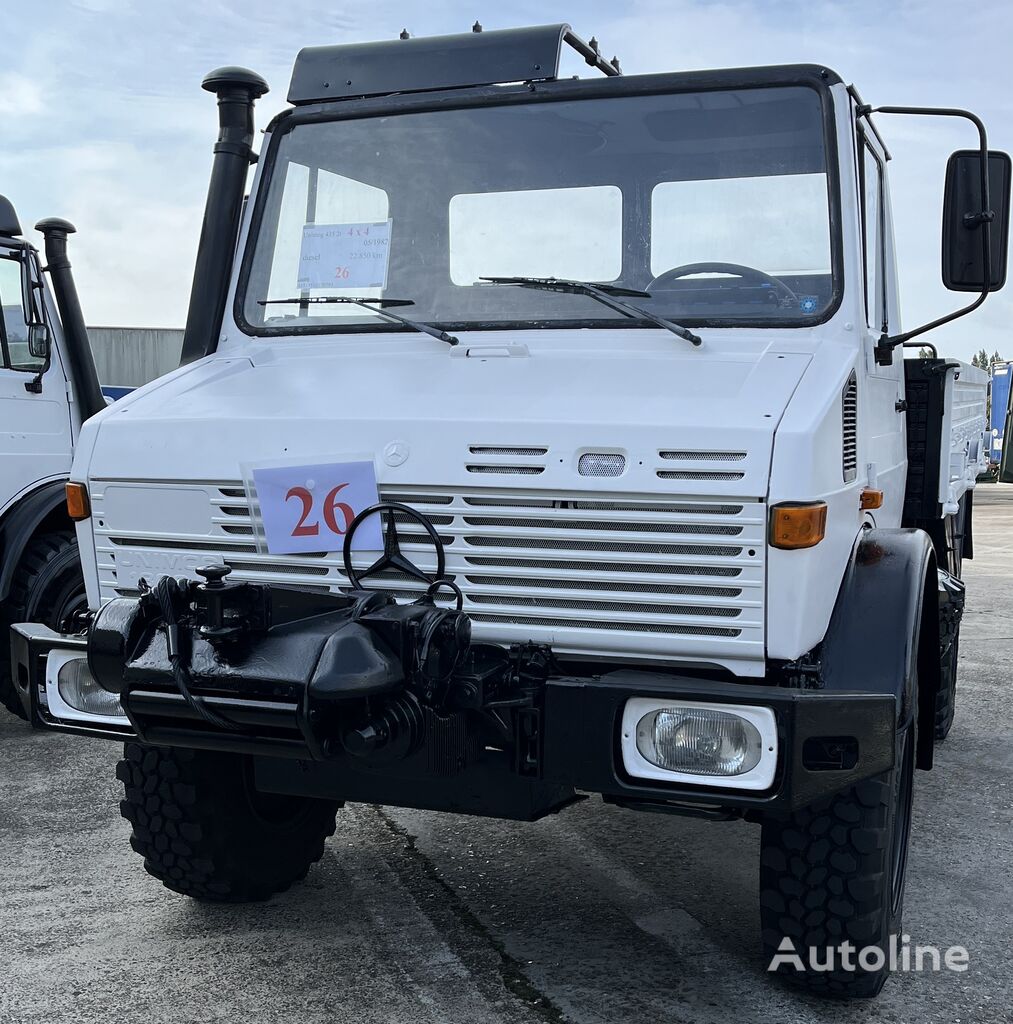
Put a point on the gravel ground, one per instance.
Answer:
(594, 915)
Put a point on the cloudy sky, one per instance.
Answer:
(104, 121)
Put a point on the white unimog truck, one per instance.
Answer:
(48, 387)
(538, 437)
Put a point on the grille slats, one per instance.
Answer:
(601, 574)
(677, 629)
(698, 474)
(612, 586)
(611, 526)
(607, 566)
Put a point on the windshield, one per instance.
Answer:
(717, 203)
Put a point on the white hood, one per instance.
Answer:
(712, 410)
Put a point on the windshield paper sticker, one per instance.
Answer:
(808, 304)
(344, 255)
(308, 509)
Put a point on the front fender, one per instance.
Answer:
(20, 523)
(885, 624)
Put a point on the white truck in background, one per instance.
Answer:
(442, 455)
(48, 387)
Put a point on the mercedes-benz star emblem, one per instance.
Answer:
(392, 558)
(395, 453)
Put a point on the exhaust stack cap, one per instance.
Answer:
(55, 226)
(235, 78)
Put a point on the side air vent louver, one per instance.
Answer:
(515, 470)
(484, 449)
(601, 464)
(698, 456)
(496, 453)
(849, 425)
(699, 464)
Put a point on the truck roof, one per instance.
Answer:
(432, 63)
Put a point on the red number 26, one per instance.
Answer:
(331, 508)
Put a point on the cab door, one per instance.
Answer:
(35, 422)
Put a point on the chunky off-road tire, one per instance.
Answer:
(205, 832)
(47, 587)
(834, 872)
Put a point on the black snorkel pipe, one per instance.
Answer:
(80, 362)
(237, 90)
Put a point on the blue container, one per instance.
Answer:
(1001, 375)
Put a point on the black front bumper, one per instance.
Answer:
(827, 741)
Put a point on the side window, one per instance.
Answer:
(872, 229)
(14, 354)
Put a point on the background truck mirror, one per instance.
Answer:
(38, 341)
(964, 217)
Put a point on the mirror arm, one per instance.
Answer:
(982, 218)
(886, 345)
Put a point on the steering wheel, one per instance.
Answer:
(786, 297)
(392, 557)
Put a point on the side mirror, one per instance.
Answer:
(964, 219)
(38, 341)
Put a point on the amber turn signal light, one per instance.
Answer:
(78, 505)
(797, 524)
(871, 498)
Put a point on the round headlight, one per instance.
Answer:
(699, 742)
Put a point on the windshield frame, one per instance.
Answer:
(815, 77)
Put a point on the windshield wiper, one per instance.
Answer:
(376, 306)
(606, 294)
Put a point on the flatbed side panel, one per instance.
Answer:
(946, 406)
(965, 408)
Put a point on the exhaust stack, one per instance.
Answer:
(237, 90)
(81, 368)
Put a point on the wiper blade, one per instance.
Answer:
(606, 294)
(377, 306)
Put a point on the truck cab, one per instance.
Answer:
(48, 388)
(538, 437)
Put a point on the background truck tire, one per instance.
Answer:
(47, 587)
(834, 872)
(205, 832)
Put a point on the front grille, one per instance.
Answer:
(634, 576)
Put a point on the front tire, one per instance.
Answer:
(834, 872)
(205, 831)
(48, 587)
